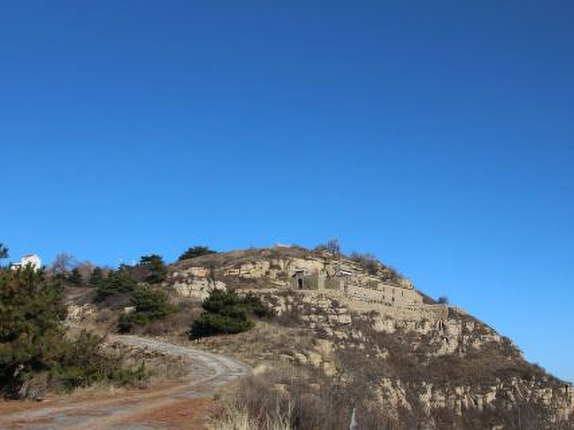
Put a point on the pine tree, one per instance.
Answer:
(150, 305)
(96, 278)
(34, 345)
(75, 277)
(156, 267)
(31, 330)
(196, 251)
(117, 281)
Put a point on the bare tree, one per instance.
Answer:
(62, 264)
(85, 268)
(333, 246)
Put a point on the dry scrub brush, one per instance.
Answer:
(289, 398)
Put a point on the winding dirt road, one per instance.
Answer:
(176, 407)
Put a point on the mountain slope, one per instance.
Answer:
(358, 325)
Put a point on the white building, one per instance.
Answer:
(31, 259)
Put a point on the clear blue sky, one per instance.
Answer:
(437, 135)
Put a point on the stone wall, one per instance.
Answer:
(406, 312)
(337, 283)
(385, 294)
(386, 311)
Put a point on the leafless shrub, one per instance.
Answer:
(333, 246)
(390, 274)
(108, 318)
(368, 261)
(231, 417)
(443, 300)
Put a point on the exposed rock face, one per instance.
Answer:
(197, 288)
(194, 283)
(79, 313)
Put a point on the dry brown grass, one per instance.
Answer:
(233, 416)
(299, 398)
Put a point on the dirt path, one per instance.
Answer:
(176, 407)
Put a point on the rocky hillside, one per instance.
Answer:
(356, 321)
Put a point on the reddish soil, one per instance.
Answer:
(184, 414)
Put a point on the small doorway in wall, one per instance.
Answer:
(300, 283)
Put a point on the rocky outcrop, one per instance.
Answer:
(193, 283)
(462, 398)
(320, 357)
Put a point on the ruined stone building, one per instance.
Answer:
(356, 285)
